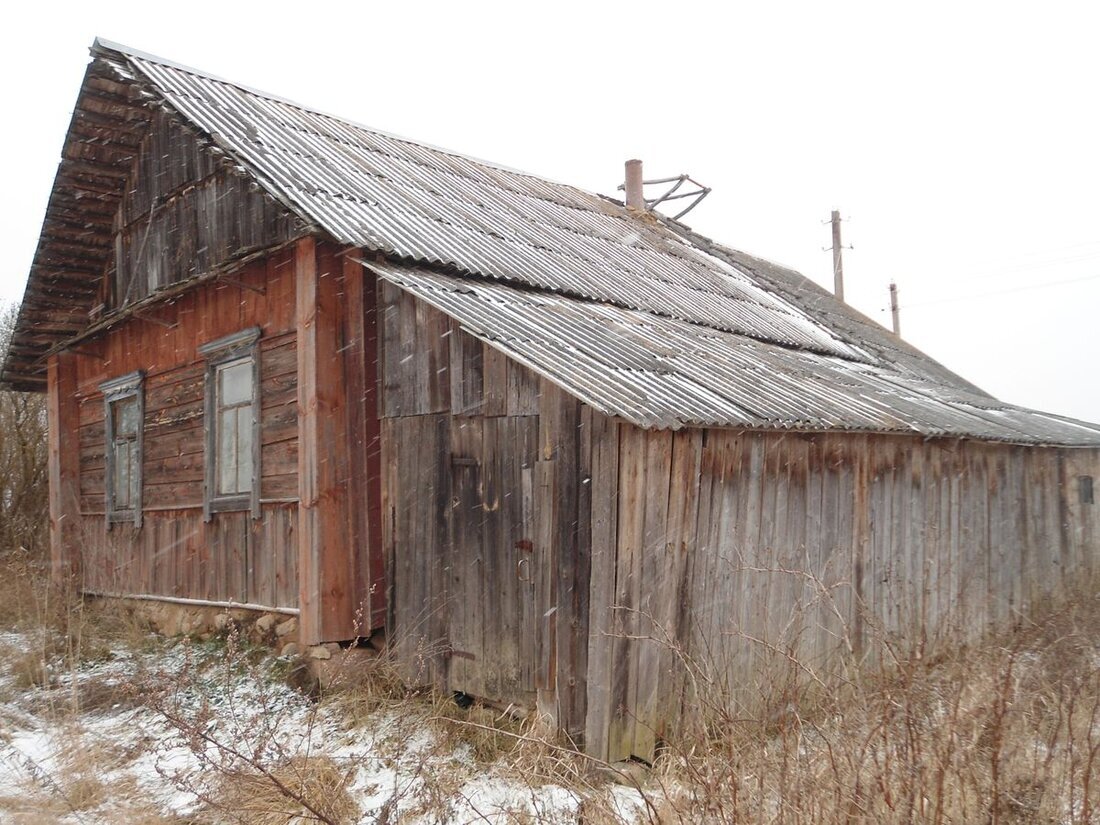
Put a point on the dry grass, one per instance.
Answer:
(22, 590)
(299, 789)
(1002, 732)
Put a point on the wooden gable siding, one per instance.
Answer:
(174, 553)
(485, 512)
(743, 552)
(184, 212)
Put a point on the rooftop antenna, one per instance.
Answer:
(635, 190)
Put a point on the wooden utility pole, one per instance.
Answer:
(895, 312)
(838, 261)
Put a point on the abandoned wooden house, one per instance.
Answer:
(550, 442)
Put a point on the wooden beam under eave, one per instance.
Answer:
(326, 592)
(64, 467)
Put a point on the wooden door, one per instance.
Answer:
(494, 602)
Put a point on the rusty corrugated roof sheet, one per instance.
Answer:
(635, 314)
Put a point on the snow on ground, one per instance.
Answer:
(120, 759)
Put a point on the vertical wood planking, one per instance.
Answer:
(467, 387)
(604, 487)
(377, 583)
(628, 584)
(363, 503)
(656, 566)
(495, 381)
(327, 599)
(467, 563)
(674, 608)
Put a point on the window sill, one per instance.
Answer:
(230, 504)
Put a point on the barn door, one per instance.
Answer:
(493, 600)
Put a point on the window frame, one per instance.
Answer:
(122, 388)
(218, 353)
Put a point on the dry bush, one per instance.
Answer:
(24, 498)
(250, 769)
(24, 579)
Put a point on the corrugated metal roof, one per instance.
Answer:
(635, 314)
(396, 196)
(663, 372)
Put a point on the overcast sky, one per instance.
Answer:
(961, 142)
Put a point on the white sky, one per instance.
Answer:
(961, 142)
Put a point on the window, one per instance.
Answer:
(124, 414)
(1084, 489)
(232, 424)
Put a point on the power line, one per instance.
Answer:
(1022, 265)
(1033, 257)
(1024, 288)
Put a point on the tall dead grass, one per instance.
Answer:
(1002, 730)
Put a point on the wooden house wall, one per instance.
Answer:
(485, 511)
(174, 553)
(185, 211)
(743, 552)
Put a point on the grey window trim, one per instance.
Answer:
(241, 344)
(118, 389)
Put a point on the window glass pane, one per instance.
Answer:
(244, 449)
(235, 383)
(125, 416)
(227, 451)
(122, 476)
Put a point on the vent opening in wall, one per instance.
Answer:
(1084, 489)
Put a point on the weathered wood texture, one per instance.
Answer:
(175, 554)
(360, 333)
(184, 212)
(739, 551)
(335, 425)
(485, 503)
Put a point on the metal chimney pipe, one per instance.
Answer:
(895, 311)
(635, 196)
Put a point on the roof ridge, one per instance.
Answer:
(102, 46)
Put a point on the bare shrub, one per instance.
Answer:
(251, 771)
(24, 496)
